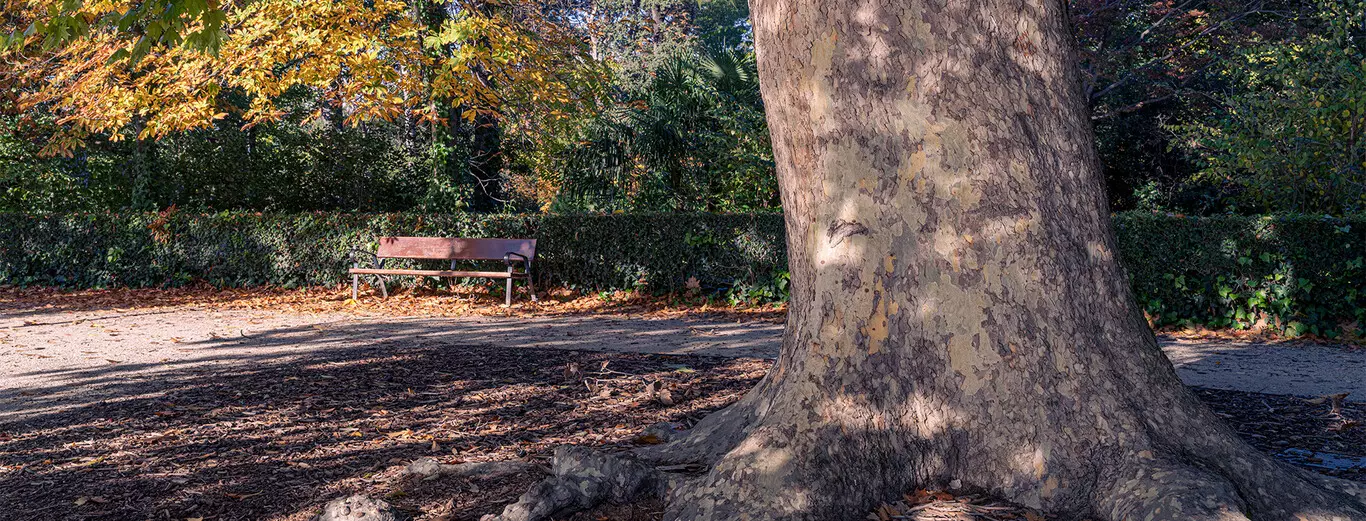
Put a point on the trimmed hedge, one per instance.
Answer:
(1294, 273)
(291, 250)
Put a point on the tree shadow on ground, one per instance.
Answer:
(276, 437)
(54, 390)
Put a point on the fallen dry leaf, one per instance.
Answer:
(648, 439)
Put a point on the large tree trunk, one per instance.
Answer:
(958, 315)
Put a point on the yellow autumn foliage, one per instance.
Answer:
(373, 59)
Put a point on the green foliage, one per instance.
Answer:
(27, 182)
(1150, 64)
(1268, 100)
(1294, 274)
(194, 24)
(775, 288)
(695, 139)
(1292, 135)
(297, 164)
(722, 24)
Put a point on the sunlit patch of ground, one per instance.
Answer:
(417, 302)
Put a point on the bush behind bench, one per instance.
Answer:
(1295, 273)
(658, 251)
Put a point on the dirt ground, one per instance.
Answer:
(174, 406)
(277, 438)
(69, 359)
(74, 356)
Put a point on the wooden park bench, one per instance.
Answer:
(438, 248)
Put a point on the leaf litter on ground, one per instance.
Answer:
(419, 301)
(276, 441)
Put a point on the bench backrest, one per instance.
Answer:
(452, 248)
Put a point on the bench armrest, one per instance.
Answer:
(378, 262)
(526, 261)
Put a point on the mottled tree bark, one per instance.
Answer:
(958, 315)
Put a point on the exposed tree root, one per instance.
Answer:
(1276, 490)
(1162, 492)
(711, 438)
(771, 474)
(1350, 488)
(430, 468)
(582, 478)
(739, 486)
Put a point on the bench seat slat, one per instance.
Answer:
(435, 273)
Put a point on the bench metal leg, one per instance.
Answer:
(507, 295)
(451, 283)
(355, 286)
(384, 290)
(531, 286)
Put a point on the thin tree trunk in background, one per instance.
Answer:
(486, 162)
(486, 143)
(141, 170)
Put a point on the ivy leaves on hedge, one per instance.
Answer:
(1296, 274)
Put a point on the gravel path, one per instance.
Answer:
(1300, 369)
(55, 360)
